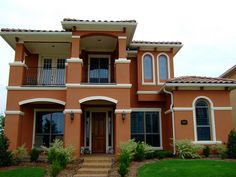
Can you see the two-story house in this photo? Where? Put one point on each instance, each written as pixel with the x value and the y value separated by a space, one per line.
pixel 92 86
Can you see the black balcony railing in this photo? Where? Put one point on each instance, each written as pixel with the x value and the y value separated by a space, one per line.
pixel 45 76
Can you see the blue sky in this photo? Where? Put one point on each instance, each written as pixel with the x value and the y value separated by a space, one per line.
pixel 207 28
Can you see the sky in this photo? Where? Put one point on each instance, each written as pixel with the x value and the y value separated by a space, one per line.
pixel 207 28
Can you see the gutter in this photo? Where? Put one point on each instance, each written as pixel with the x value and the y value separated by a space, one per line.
pixel 173 118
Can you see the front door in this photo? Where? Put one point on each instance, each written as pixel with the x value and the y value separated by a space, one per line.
pixel 99 132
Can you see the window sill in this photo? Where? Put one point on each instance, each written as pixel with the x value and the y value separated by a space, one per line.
pixel 207 142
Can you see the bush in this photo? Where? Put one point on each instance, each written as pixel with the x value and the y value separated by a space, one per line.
pixel 55 168
pixel 125 157
pixel 231 146
pixel 185 149
pixel 5 154
pixel 123 169
pixel 206 151
pixel 221 150
pixel 139 152
pixel 20 153
pixel 129 147
pixel 160 154
pixel 34 155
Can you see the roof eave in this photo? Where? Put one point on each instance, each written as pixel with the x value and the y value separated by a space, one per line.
pixel 198 85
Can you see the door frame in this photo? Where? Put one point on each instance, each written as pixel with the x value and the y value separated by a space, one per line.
pixel 101 109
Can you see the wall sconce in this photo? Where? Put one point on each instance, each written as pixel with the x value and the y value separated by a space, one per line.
pixel 123 115
pixel 72 115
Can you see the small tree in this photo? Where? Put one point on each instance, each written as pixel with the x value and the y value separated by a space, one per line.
pixel 2 124
pixel 231 146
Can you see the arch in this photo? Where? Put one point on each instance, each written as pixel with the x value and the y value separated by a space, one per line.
pixel 51 100
pixel 153 70
pixel 158 65
pixel 91 98
pixel 203 97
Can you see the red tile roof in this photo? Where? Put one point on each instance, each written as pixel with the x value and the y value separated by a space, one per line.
pixel 157 42
pixel 108 21
pixel 28 30
pixel 201 80
pixel 232 69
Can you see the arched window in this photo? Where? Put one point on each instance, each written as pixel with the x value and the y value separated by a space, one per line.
pixel 163 67
pixel 203 126
pixel 147 67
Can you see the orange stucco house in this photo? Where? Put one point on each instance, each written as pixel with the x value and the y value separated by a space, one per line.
pixel 93 87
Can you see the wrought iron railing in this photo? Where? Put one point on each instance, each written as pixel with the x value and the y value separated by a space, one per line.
pixel 45 76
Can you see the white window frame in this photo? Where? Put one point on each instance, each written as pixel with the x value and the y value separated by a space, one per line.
pixel 100 56
pixel 160 122
pixel 153 70
pixel 158 68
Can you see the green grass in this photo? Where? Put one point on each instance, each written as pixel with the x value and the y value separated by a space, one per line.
pixel 188 168
pixel 23 172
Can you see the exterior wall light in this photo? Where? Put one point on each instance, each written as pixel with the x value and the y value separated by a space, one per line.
pixel 72 116
pixel 123 115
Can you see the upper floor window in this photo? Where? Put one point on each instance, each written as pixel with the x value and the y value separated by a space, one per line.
pixel 163 69
pixel 148 69
pixel 203 126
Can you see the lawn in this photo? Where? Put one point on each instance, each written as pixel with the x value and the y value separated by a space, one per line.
pixel 23 172
pixel 188 168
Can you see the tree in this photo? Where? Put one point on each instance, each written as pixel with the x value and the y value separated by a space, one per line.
pixel 2 124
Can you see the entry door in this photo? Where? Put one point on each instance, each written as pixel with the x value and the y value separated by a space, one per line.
pixel 99 132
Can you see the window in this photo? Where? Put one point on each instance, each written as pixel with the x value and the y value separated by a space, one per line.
pixel 99 70
pixel 202 120
pixel 145 126
pixel 163 67
pixel 48 127
pixel 147 67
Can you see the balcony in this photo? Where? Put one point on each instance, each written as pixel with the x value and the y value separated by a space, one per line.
pixel 41 76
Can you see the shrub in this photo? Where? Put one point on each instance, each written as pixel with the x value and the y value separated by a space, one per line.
pixel 221 150
pixel 185 149
pixel 231 146
pixel 160 154
pixel 129 146
pixel 149 155
pixel 34 155
pixel 5 154
pixel 123 169
pixel 139 152
pixel 20 153
pixel 55 168
pixel 206 151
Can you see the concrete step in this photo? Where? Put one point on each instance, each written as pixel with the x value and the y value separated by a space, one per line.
pixel 88 171
pixel 93 164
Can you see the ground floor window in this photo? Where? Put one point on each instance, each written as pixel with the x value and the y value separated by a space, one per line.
pixel 145 127
pixel 48 127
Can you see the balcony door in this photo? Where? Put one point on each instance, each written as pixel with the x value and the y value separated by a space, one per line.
pixel 99 69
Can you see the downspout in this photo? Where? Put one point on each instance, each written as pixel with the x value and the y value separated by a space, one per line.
pixel 173 117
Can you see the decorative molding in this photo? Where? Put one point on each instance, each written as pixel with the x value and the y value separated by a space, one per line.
pixel 42 100
pixel 34 88
pixel 72 110
pixel 75 37
pixel 14 112
pixel 146 109
pixel 122 60
pixel 222 108
pixel 91 98
pixel 183 108
pixel 18 63
pixel 147 92
pixel 70 60
pixel 122 37
pixel 75 85
pixel 123 110
pixel 207 142
pixel 212 108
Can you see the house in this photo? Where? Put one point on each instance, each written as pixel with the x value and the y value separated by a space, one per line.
pixel 231 74
pixel 93 87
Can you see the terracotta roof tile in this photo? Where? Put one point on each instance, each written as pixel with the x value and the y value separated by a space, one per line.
pixel 232 69
pixel 157 42
pixel 201 80
pixel 28 30
pixel 108 21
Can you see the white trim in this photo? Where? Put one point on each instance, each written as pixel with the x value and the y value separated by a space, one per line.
pixel 42 100
pixel 122 37
pixel 183 108
pixel 212 117
pixel 198 85
pixel 74 85
pixel 168 111
pixel 146 109
pixel 91 98
pixel 72 110
pixel 207 142
pixel 75 37
pixel 153 70
pixel 192 108
pixel 147 92
pixel 14 112
pixel 122 60
pixel 34 88
pixel 123 110
pixel 79 60
pixel 158 69
pixel 18 63
pixel 222 108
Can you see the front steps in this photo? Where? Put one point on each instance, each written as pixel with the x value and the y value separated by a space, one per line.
pixel 95 166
